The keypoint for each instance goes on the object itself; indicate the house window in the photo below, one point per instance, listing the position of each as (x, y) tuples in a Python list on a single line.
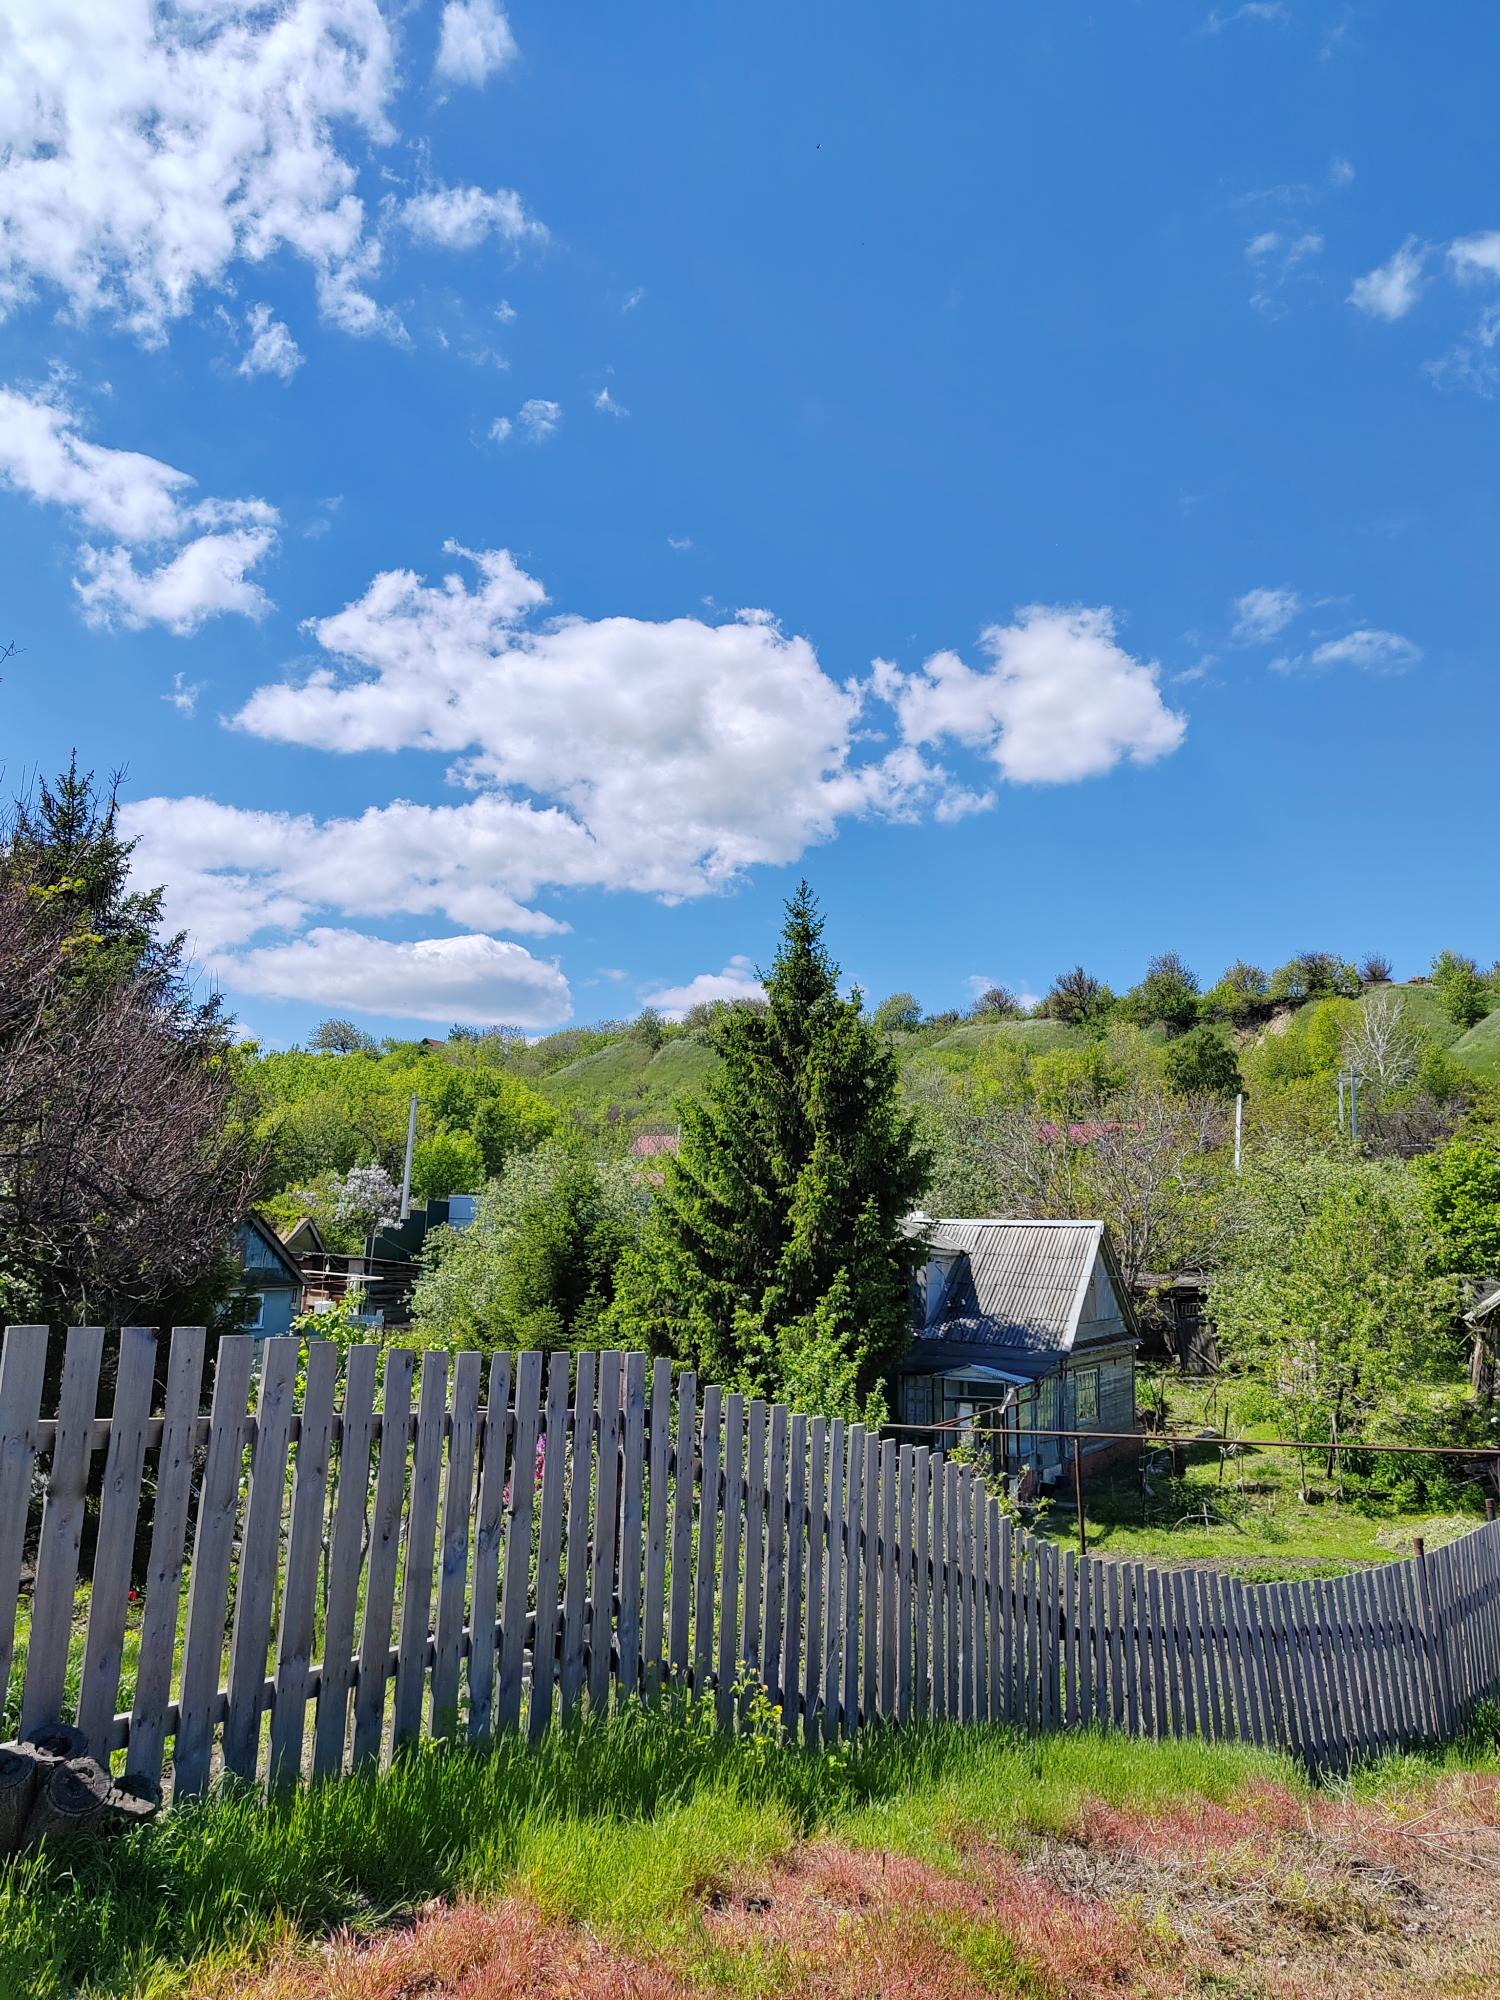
[(1086, 1392), (257, 1317)]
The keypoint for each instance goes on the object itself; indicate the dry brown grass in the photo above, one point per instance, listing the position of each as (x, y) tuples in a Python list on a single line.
[(1277, 1897)]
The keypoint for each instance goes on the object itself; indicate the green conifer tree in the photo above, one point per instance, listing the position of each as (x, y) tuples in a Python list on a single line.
[(775, 1258)]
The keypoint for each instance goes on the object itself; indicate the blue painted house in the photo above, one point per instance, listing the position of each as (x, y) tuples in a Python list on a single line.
[(1021, 1328), (271, 1278)]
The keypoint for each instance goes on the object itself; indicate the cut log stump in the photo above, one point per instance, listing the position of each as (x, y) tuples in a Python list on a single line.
[(22, 1768), (74, 1798), (58, 1741)]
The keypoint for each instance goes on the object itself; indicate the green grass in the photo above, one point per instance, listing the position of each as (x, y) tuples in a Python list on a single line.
[(1245, 1513), (1479, 1048), (620, 1825), (641, 1081)]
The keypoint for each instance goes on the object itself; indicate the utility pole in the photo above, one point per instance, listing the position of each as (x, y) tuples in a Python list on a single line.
[(411, 1146), (1239, 1132)]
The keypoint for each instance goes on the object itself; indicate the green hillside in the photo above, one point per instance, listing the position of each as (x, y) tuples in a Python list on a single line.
[(1479, 1048), (629, 1075), (633, 1081), (1423, 1009)]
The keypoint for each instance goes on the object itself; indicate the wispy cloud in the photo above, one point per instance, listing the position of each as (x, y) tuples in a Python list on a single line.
[(1367, 649), (1391, 290), (539, 417), (184, 694), (1264, 612), (1276, 257), (605, 401), (1273, 13)]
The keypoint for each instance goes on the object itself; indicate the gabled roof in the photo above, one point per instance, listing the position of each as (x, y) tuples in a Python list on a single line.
[(1485, 1301), (1019, 1285), (256, 1226), (305, 1238)]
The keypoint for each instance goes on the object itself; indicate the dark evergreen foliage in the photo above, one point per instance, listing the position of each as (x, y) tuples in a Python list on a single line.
[(775, 1256)]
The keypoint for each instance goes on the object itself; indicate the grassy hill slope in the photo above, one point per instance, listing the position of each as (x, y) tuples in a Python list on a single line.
[(639, 1083), (1479, 1048)]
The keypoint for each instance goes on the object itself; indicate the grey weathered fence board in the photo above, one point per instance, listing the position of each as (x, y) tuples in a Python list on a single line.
[(833, 1644), (218, 1507), (421, 1550), (520, 1511), (937, 1671), (580, 1497), (921, 1506), (454, 1543), (545, 1634), (119, 1505), (346, 1553), (260, 1554), (606, 1530), (889, 1647), (953, 1599), (817, 1503), (729, 1566), (684, 1460), (755, 1534), (654, 1611), (489, 1520), (385, 1550), (869, 1582), (632, 1521), (23, 1363), (796, 1556), (62, 1529), (156, 1654), (853, 1515), (905, 1480), (771, 1605), (707, 1555), (299, 1608)]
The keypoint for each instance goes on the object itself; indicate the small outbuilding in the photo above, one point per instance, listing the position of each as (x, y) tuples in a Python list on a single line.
[(271, 1278), (1021, 1328)]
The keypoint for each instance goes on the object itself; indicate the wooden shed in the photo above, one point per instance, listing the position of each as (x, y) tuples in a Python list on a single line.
[(1031, 1316)]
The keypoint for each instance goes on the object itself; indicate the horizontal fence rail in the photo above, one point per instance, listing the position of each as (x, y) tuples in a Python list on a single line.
[(300, 1561)]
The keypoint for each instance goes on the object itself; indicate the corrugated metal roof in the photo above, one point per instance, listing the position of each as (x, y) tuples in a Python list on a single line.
[(1013, 1284)]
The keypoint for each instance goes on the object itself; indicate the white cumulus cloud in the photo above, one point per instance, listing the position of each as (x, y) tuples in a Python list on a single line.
[(175, 561), (739, 980), (485, 980), (1260, 614), (1059, 700), (147, 149), (1391, 290), (475, 41), (1476, 256), (460, 218), (665, 758)]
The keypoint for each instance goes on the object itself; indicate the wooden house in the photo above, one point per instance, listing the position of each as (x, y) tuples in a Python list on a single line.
[(1020, 1328), (270, 1278)]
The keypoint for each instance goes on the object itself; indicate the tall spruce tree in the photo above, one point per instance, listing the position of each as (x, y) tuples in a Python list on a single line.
[(775, 1259)]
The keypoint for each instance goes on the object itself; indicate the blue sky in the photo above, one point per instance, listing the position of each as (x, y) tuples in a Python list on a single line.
[(516, 489)]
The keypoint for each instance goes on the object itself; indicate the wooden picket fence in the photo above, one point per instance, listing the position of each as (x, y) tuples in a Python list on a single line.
[(389, 1545)]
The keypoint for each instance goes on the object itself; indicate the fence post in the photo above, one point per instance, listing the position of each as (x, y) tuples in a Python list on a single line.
[(1083, 1533), (1435, 1631)]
